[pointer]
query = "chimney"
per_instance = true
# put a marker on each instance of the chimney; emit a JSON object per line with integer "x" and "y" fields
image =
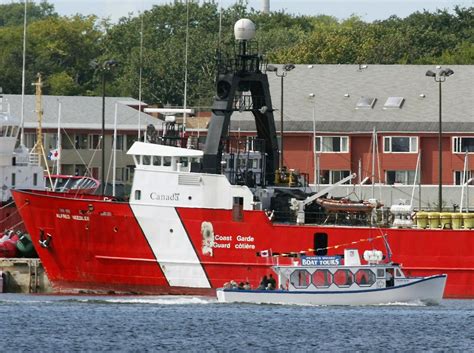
{"x": 266, "y": 6}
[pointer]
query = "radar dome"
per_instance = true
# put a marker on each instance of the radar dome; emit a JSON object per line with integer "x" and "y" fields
{"x": 244, "y": 29}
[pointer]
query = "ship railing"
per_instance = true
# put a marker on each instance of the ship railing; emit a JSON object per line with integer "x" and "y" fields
{"x": 34, "y": 158}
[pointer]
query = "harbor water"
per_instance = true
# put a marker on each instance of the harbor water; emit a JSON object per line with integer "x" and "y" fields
{"x": 50, "y": 323}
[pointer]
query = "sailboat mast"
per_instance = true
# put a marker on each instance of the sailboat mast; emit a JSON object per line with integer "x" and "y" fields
{"x": 186, "y": 67}
{"x": 58, "y": 144}
{"x": 22, "y": 115}
{"x": 140, "y": 80}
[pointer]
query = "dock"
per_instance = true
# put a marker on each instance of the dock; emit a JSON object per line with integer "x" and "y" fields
{"x": 23, "y": 275}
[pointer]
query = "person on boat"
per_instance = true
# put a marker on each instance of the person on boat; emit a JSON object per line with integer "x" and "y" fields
{"x": 389, "y": 278}
{"x": 247, "y": 286}
{"x": 271, "y": 282}
{"x": 263, "y": 283}
{"x": 241, "y": 286}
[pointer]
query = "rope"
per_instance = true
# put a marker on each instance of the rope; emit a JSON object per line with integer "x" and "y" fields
{"x": 7, "y": 205}
{"x": 303, "y": 252}
{"x": 13, "y": 214}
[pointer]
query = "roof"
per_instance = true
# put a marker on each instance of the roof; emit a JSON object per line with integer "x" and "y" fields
{"x": 80, "y": 112}
{"x": 338, "y": 88}
{"x": 151, "y": 149}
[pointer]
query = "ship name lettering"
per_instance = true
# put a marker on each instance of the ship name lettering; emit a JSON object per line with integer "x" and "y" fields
{"x": 224, "y": 246}
{"x": 80, "y": 218}
{"x": 244, "y": 246}
{"x": 247, "y": 238}
{"x": 163, "y": 197}
{"x": 223, "y": 237}
{"x": 63, "y": 215}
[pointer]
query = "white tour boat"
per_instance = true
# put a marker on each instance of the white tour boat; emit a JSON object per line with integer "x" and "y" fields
{"x": 337, "y": 280}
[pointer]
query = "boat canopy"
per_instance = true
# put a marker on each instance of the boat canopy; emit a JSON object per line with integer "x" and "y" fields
{"x": 151, "y": 149}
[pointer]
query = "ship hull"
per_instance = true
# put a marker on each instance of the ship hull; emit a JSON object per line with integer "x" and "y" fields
{"x": 99, "y": 245}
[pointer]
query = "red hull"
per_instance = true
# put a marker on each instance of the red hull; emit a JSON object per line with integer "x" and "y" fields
{"x": 99, "y": 245}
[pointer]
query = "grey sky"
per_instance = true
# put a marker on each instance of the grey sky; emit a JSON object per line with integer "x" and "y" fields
{"x": 369, "y": 10}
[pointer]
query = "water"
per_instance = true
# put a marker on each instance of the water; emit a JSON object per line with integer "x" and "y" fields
{"x": 170, "y": 323}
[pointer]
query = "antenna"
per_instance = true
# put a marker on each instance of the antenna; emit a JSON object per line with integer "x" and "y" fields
{"x": 22, "y": 123}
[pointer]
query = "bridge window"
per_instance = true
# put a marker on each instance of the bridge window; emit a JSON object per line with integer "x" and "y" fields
{"x": 238, "y": 209}
{"x": 167, "y": 161}
{"x": 146, "y": 160}
{"x": 365, "y": 277}
{"x": 343, "y": 278}
{"x": 322, "y": 278}
{"x": 157, "y": 160}
{"x": 184, "y": 161}
{"x": 300, "y": 279}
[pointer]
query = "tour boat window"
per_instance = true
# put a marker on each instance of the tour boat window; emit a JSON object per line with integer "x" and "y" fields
{"x": 380, "y": 273}
{"x": 322, "y": 278}
{"x": 157, "y": 160}
{"x": 167, "y": 161}
{"x": 146, "y": 160}
{"x": 300, "y": 279}
{"x": 343, "y": 278}
{"x": 365, "y": 278}
{"x": 138, "y": 194}
{"x": 398, "y": 273}
{"x": 183, "y": 161}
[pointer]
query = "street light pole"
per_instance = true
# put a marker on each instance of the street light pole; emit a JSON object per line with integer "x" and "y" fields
{"x": 440, "y": 77}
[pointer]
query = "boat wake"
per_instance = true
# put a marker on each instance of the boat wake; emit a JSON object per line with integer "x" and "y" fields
{"x": 155, "y": 300}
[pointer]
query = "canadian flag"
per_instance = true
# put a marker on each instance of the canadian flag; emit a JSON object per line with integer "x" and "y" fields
{"x": 265, "y": 253}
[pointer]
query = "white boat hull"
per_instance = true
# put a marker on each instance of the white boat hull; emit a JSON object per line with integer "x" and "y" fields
{"x": 427, "y": 290}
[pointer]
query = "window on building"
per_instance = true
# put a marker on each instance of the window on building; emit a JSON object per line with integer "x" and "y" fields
{"x": 30, "y": 139}
{"x": 81, "y": 141}
{"x": 404, "y": 177}
{"x": 94, "y": 142}
{"x": 333, "y": 176}
{"x": 67, "y": 142}
{"x": 120, "y": 142}
{"x": 80, "y": 169}
{"x": 463, "y": 144}
{"x": 332, "y": 144}
{"x": 119, "y": 174}
{"x": 400, "y": 144}
{"x": 458, "y": 177}
{"x": 130, "y": 140}
{"x": 129, "y": 172}
{"x": 95, "y": 172}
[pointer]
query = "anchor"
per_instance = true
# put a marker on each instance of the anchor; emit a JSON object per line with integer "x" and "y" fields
{"x": 44, "y": 242}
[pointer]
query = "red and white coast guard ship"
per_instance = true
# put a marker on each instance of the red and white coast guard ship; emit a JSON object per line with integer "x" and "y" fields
{"x": 196, "y": 219}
